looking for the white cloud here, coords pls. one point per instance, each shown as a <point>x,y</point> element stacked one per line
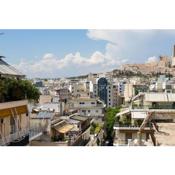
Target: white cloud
<point>152,59</point>
<point>51,65</point>
<point>121,46</point>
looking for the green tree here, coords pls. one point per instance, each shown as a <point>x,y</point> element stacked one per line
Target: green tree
<point>12,89</point>
<point>109,122</point>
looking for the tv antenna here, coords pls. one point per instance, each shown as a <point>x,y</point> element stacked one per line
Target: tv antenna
<point>1,33</point>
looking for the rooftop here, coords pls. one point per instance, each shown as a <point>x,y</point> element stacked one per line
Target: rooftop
<point>156,97</point>
<point>79,118</point>
<point>44,115</point>
<point>85,99</point>
<point>6,69</point>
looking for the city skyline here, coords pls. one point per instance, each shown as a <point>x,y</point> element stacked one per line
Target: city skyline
<point>62,53</point>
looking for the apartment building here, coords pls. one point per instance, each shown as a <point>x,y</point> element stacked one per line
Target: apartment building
<point>138,122</point>
<point>91,107</point>
<point>80,89</point>
<point>129,92</point>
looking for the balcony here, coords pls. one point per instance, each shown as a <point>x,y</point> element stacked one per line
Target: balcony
<point>17,136</point>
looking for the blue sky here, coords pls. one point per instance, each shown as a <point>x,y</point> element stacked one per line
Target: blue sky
<point>60,53</point>
<point>32,44</point>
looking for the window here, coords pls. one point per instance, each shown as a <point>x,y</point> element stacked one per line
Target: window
<point>96,111</point>
<point>89,111</point>
<point>92,103</point>
<point>109,103</point>
<point>109,91</point>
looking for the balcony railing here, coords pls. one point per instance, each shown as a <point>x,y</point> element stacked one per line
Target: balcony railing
<point>5,140</point>
<point>154,107</point>
<point>131,127</point>
<point>34,131</point>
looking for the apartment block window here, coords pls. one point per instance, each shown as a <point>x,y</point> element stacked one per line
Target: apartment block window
<point>96,111</point>
<point>89,111</point>
<point>109,91</point>
<point>92,103</point>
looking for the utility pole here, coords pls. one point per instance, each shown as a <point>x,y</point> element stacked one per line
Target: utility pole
<point>1,33</point>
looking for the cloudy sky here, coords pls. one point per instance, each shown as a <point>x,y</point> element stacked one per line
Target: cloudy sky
<point>61,53</point>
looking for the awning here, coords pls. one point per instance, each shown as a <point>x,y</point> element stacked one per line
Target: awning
<point>64,129</point>
<point>123,112</point>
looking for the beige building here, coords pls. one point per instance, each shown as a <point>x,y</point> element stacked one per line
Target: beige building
<point>128,91</point>
<point>91,107</point>
<point>80,89</point>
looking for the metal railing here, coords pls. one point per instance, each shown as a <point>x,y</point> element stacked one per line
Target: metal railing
<point>5,140</point>
<point>34,131</point>
<point>153,107</point>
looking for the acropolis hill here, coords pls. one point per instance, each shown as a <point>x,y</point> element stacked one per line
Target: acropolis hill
<point>164,65</point>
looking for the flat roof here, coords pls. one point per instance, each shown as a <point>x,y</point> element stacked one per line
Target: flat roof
<point>85,99</point>
<point>160,97</point>
<point>45,115</point>
<point>79,118</point>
